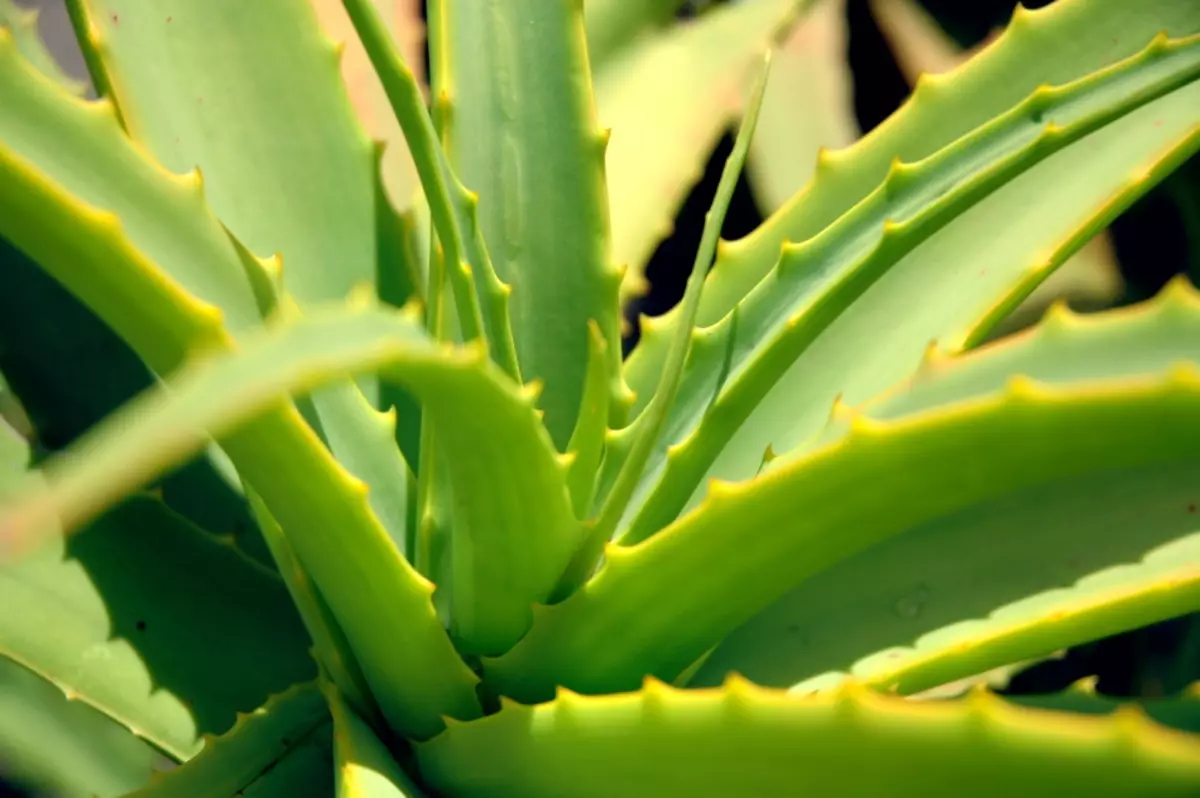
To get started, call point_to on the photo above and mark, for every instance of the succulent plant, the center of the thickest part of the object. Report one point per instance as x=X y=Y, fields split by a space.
x=330 y=478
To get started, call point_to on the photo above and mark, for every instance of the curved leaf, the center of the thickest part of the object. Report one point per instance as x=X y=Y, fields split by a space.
x=656 y=607
x=1056 y=45
x=290 y=730
x=521 y=129
x=808 y=333
x=363 y=767
x=747 y=741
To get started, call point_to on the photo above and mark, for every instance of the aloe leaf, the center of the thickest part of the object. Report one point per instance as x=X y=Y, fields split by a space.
x=509 y=570
x=745 y=740
x=63 y=746
x=1032 y=52
x=646 y=612
x=1091 y=278
x=67 y=165
x=656 y=414
x=904 y=245
x=70 y=370
x=1178 y=711
x=521 y=129
x=586 y=447
x=142 y=634
x=250 y=758
x=330 y=647
x=287 y=168
x=612 y=24
x=808 y=106
x=907 y=622
x=22 y=24
x=480 y=297
x=363 y=766
x=667 y=99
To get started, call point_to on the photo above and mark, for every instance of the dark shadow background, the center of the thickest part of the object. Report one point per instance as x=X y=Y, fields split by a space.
x=1157 y=238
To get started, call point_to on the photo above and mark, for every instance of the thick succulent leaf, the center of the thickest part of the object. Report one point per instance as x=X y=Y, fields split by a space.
x=667 y=98
x=480 y=298
x=649 y=610
x=330 y=647
x=363 y=766
x=963 y=591
x=291 y=128
x=291 y=726
x=586 y=447
x=63 y=746
x=521 y=129
x=155 y=624
x=164 y=317
x=650 y=425
x=287 y=168
x=808 y=106
x=1059 y=44
x=745 y=740
x=68 y=166
x=70 y=370
x=612 y=24
x=1179 y=711
x=1047 y=173
x=22 y=23
x=521 y=529
x=1091 y=278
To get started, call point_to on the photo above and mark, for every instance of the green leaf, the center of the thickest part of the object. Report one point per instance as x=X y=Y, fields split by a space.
x=649 y=611
x=747 y=741
x=64 y=746
x=652 y=421
x=68 y=166
x=961 y=594
x=667 y=98
x=808 y=106
x=586 y=447
x=290 y=731
x=70 y=370
x=522 y=530
x=363 y=767
x=155 y=624
x=23 y=25
x=1091 y=278
x=1026 y=56
x=809 y=332
x=287 y=167
x=482 y=305
x=330 y=647
x=521 y=129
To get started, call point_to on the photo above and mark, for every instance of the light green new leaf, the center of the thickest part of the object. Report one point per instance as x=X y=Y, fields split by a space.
x=64 y=746
x=969 y=576
x=1100 y=33
x=289 y=732
x=747 y=741
x=667 y=98
x=1074 y=155
x=521 y=130
x=363 y=767
x=808 y=106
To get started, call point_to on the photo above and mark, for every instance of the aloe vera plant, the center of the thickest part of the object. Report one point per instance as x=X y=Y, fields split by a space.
x=389 y=514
